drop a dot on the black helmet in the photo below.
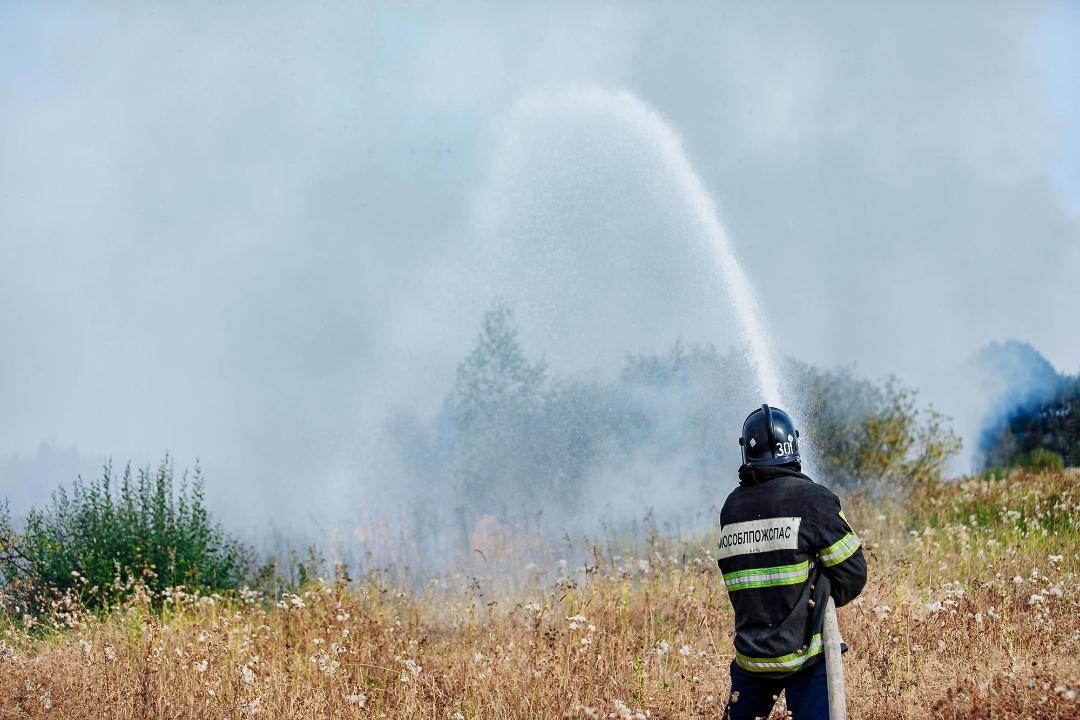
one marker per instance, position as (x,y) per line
(769,437)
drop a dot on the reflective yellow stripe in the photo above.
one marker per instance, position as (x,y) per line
(767,577)
(840,550)
(791,661)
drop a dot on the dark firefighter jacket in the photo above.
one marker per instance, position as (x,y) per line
(785,545)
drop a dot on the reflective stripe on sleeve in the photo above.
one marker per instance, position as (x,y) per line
(840,550)
(791,661)
(767,577)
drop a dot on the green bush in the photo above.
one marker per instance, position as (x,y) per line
(1042,460)
(95,540)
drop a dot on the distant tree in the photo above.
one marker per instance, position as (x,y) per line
(496,376)
(494,410)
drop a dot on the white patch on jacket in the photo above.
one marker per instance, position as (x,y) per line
(755,536)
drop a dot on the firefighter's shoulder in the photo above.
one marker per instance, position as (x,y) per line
(820,500)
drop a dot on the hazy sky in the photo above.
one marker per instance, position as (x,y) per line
(244,232)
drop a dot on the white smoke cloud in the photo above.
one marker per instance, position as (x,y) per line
(245,233)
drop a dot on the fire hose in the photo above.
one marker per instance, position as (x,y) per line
(834,663)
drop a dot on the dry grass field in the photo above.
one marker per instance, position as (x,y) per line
(972,611)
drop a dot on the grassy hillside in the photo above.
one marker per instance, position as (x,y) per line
(972,611)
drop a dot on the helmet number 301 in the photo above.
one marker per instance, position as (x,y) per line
(785,448)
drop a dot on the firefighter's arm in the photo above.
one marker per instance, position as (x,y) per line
(840,555)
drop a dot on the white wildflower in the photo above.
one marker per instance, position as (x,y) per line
(200,667)
(413,669)
(685,651)
(623,712)
(327,664)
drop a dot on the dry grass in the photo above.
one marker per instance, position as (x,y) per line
(971,612)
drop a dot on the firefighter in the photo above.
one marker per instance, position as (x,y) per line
(785,546)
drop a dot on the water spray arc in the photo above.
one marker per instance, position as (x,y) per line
(641,125)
